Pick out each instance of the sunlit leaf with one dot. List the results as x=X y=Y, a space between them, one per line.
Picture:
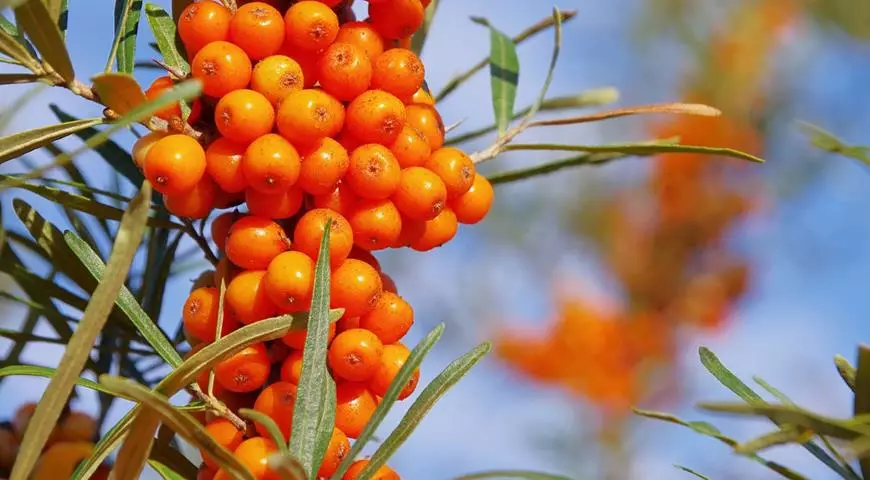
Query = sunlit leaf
x=163 y=28
x=504 y=74
x=126 y=33
x=268 y=423
x=548 y=168
x=669 y=108
x=554 y=59
x=862 y=395
x=17 y=144
x=165 y=472
x=16 y=78
x=789 y=414
x=39 y=24
x=783 y=436
x=826 y=141
x=119 y=91
x=846 y=370
x=692 y=472
x=11 y=47
x=521 y=474
x=47 y=372
x=638 y=149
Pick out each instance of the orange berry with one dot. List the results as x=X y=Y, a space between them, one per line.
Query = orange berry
x=421 y=194
x=398 y=71
x=296 y=339
x=473 y=205
x=374 y=172
x=310 y=230
x=364 y=36
x=275 y=206
x=338 y=448
x=392 y=360
x=201 y=23
x=390 y=320
x=220 y=228
x=205 y=472
x=354 y=407
x=310 y=25
x=306 y=116
x=355 y=354
x=224 y=164
x=347 y=140
x=376 y=224
x=356 y=287
x=397 y=18
x=158 y=87
x=389 y=284
x=428 y=121
x=200 y=315
x=341 y=199
x=291 y=367
x=436 y=232
x=277 y=401
x=289 y=281
x=77 y=427
x=383 y=473
x=411 y=148
x=175 y=164
x=307 y=61
x=345 y=71
x=258 y=28
x=222 y=67
x=195 y=203
x=271 y=164
x=277 y=76
x=254 y=454
x=366 y=256
x=245 y=371
x=454 y=167
x=224 y=200
x=247 y=299
x=244 y=115
x=143 y=146
x=323 y=166
x=226 y=435
x=346 y=323
x=22 y=418
x=254 y=241
x=423 y=97
x=376 y=117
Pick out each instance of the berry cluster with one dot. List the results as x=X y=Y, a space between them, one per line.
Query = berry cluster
x=316 y=118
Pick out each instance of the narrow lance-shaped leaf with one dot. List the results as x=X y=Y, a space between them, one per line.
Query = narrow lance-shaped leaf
x=826 y=141
x=788 y=414
x=638 y=149
x=164 y=30
x=126 y=32
x=554 y=59
x=692 y=472
x=74 y=357
x=47 y=372
x=119 y=91
x=11 y=47
x=268 y=423
x=14 y=145
x=504 y=71
x=862 y=395
x=846 y=370
x=165 y=472
x=520 y=474
x=35 y=19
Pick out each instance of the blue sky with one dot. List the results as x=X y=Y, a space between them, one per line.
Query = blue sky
x=809 y=294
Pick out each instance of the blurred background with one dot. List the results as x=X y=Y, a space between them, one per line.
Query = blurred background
x=598 y=284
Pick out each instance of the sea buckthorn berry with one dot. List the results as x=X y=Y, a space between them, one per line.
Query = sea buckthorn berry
x=421 y=194
x=291 y=367
x=277 y=76
x=355 y=354
x=289 y=281
x=364 y=36
x=77 y=426
x=277 y=401
x=201 y=23
x=427 y=121
x=220 y=228
x=347 y=140
x=310 y=25
x=473 y=205
x=411 y=148
x=247 y=297
x=223 y=160
x=194 y=203
x=398 y=71
x=383 y=473
x=224 y=200
x=324 y=164
x=310 y=229
x=390 y=320
x=397 y=18
x=21 y=418
x=205 y=472
x=392 y=360
x=245 y=371
x=258 y=28
x=346 y=323
x=345 y=71
x=244 y=115
x=200 y=315
x=307 y=62
x=356 y=287
x=341 y=200
x=225 y=434
x=143 y=146
x=158 y=87
x=436 y=232
x=366 y=256
x=338 y=448
x=60 y=459
x=275 y=206
x=376 y=117
x=389 y=284
x=254 y=454
x=222 y=67
x=354 y=407
x=175 y=164
x=423 y=97
x=374 y=172
x=454 y=167
x=296 y=339
x=308 y=115
x=271 y=164
x=254 y=241
x=376 y=224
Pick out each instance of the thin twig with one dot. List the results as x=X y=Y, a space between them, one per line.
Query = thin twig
x=218 y=407
x=201 y=241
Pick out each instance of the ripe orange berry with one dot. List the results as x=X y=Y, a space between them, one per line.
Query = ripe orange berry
x=374 y=172
x=143 y=146
x=423 y=97
x=244 y=115
x=427 y=120
x=376 y=224
x=306 y=116
x=275 y=206
x=356 y=287
x=277 y=76
x=436 y=232
x=205 y=472
x=258 y=28
x=376 y=117
x=345 y=71
x=247 y=299
x=224 y=164
x=175 y=164
x=454 y=167
x=289 y=281
x=346 y=323
x=365 y=256
x=341 y=199
x=310 y=25
x=392 y=360
x=195 y=203
x=77 y=426
x=411 y=148
x=296 y=338
x=390 y=320
x=421 y=194
x=220 y=228
x=271 y=164
x=225 y=434
x=158 y=87
x=347 y=140
x=307 y=61
x=21 y=418
x=364 y=36
x=201 y=23
x=383 y=473
x=398 y=71
x=254 y=241
x=323 y=165
x=389 y=284
x=310 y=230
x=355 y=354
x=291 y=367
x=397 y=18
x=200 y=315
x=354 y=407
x=245 y=371
x=473 y=205
x=277 y=401
x=338 y=448
x=254 y=454
x=222 y=67
x=224 y=200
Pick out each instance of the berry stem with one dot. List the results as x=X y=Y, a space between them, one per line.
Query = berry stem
x=201 y=241
x=218 y=407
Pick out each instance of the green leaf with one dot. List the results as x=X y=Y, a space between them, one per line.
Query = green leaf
x=554 y=59
x=789 y=414
x=76 y=354
x=504 y=73
x=46 y=372
x=268 y=423
x=862 y=395
x=419 y=38
x=522 y=474
x=164 y=32
x=119 y=91
x=126 y=31
x=645 y=148
x=782 y=436
x=846 y=370
x=17 y=144
x=287 y=467
x=41 y=26
x=575 y=161
x=314 y=412
x=11 y=47
x=431 y=394
x=692 y=472
x=165 y=472
x=826 y=141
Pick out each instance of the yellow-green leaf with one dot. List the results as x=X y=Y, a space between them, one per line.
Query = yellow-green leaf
x=846 y=370
x=17 y=78
x=11 y=47
x=37 y=22
x=521 y=474
x=268 y=423
x=14 y=145
x=638 y=149
x=163 y=28
x=119 y=91
x=504 y=74
x=862 y=394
